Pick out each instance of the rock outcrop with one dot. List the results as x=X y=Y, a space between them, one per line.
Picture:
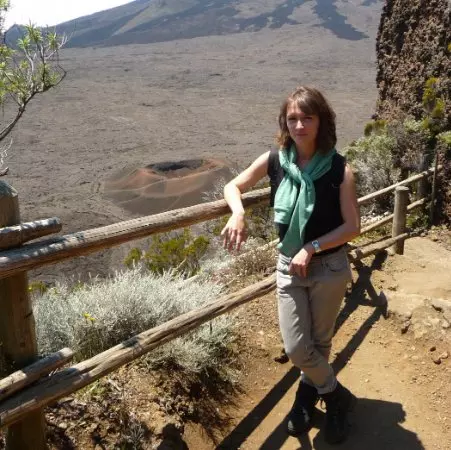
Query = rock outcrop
x=413 y=45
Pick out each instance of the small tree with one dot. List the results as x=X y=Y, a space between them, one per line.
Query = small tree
x=30 y=68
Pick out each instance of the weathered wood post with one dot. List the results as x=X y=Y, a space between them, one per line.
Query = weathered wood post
x=434 y=191
x=400 y=216
x=423 y=185
x=18 y=347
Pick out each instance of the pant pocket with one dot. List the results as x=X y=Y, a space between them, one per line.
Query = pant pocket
x=339 y=266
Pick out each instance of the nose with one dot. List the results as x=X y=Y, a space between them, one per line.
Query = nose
x=299 y=124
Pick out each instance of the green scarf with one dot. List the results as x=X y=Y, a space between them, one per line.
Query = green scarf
x=290 y=208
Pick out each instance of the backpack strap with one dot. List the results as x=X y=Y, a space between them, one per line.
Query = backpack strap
x=275 y=173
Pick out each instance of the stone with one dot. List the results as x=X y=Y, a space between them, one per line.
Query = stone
x=405 y=327
x=444 y=355
x=441 y=304
x=437 y=360
x=434 y=321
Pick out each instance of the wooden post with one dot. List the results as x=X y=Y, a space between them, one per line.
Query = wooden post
x=400 y=215
x=17 y=333
x=423 y=184
x=434 y=191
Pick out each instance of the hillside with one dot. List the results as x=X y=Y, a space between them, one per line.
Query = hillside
x=147 y=21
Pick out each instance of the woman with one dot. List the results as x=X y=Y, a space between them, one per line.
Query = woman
x=316 y=212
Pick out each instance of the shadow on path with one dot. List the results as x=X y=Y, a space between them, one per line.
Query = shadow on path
x=375 y=417
x=376 y=425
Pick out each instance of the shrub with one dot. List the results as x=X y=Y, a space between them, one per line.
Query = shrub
x=430 y=93
x=445 y=138
x=181 y=251
x=434 y=106
x=413 y=147
x=372 y=158
x=376 y=126
x=104 y=313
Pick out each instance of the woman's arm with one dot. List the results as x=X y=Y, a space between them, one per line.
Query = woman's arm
x=234 y=233
x=340 y=235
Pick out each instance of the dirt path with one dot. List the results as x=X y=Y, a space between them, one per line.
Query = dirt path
x=384 y=355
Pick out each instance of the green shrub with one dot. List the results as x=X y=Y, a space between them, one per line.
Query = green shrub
x=168 y=251
x=376 y=126
x=417 y=220
x=445 y=138
x=133 y=257
x=434 y=105
x=430 y=93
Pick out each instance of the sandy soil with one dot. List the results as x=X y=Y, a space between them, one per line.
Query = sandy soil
x=203 y=98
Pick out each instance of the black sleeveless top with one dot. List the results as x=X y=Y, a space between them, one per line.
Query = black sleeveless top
x=326 y=215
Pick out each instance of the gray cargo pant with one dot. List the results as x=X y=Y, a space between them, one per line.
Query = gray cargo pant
x=308 y=308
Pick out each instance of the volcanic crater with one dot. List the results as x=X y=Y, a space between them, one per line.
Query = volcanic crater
x=164 y=186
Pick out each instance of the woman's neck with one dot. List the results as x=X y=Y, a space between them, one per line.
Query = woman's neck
x=305 y=153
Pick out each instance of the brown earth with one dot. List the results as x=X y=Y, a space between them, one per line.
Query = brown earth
x=400 y=375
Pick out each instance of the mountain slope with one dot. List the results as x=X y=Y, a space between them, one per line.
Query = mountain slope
x=146 y=21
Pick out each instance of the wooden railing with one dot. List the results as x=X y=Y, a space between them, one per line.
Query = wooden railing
x=25 y=393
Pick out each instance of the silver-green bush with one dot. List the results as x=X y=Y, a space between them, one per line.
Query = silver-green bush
x=99 y=315
x=371 y=156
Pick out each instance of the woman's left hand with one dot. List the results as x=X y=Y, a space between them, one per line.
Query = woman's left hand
x=300 y=261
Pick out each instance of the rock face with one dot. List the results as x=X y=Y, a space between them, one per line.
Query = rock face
x=413 y=45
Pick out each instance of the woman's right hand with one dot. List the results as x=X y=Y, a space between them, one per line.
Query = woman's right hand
x=234 y=233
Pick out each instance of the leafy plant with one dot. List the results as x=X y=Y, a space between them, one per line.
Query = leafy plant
x=375 y=126
x=168 y=251
x=27 y=68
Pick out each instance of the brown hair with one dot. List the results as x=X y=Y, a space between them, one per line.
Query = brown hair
x=310 y=101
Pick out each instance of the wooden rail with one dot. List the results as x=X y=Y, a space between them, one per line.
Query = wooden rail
x=19 y=234
x=23 y=378
x=51 y=251
x=367 y=198
x=74 y=378
x=22 y=410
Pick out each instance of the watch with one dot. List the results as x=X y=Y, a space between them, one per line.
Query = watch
x=316 y=246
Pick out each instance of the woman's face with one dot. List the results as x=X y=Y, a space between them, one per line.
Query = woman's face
x=303 y=128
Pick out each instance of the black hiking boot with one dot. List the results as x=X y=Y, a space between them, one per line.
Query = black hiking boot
x=338 y=403
x=301 y=414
